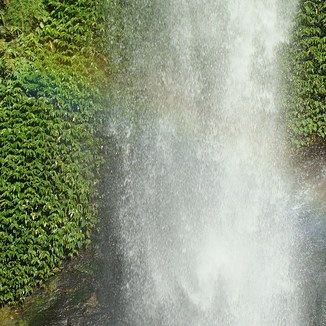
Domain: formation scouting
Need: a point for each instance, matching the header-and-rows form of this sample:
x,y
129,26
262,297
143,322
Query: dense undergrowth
x,y
55,67
304,68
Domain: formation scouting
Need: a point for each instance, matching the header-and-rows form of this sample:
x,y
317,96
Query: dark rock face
x,y
313,268
78,296
311,173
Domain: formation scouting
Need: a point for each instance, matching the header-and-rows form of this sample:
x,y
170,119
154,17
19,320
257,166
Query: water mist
x,y
206,228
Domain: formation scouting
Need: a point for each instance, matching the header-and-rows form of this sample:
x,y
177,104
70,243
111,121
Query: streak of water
x,y
207,227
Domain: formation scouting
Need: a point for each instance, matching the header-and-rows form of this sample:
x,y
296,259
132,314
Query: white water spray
x,y
207,232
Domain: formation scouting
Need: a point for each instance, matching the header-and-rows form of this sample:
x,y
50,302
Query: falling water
x,y
206,226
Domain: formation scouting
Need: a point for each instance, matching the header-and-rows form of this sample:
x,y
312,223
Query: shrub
x,y
52,82
304,60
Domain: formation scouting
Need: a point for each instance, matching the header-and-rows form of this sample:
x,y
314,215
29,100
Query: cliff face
x,y
56,63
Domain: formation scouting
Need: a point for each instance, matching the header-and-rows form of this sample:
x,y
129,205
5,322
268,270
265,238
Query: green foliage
x,y
52,80
19,16
304,61
25,15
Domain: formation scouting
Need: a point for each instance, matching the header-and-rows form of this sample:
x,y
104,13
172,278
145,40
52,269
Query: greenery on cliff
x,y
56,62
305,75
55,65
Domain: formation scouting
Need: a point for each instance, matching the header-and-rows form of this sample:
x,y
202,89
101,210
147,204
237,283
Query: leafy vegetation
x,y
54,70
304,62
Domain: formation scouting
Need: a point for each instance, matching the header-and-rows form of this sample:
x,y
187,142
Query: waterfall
x,y
206,226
